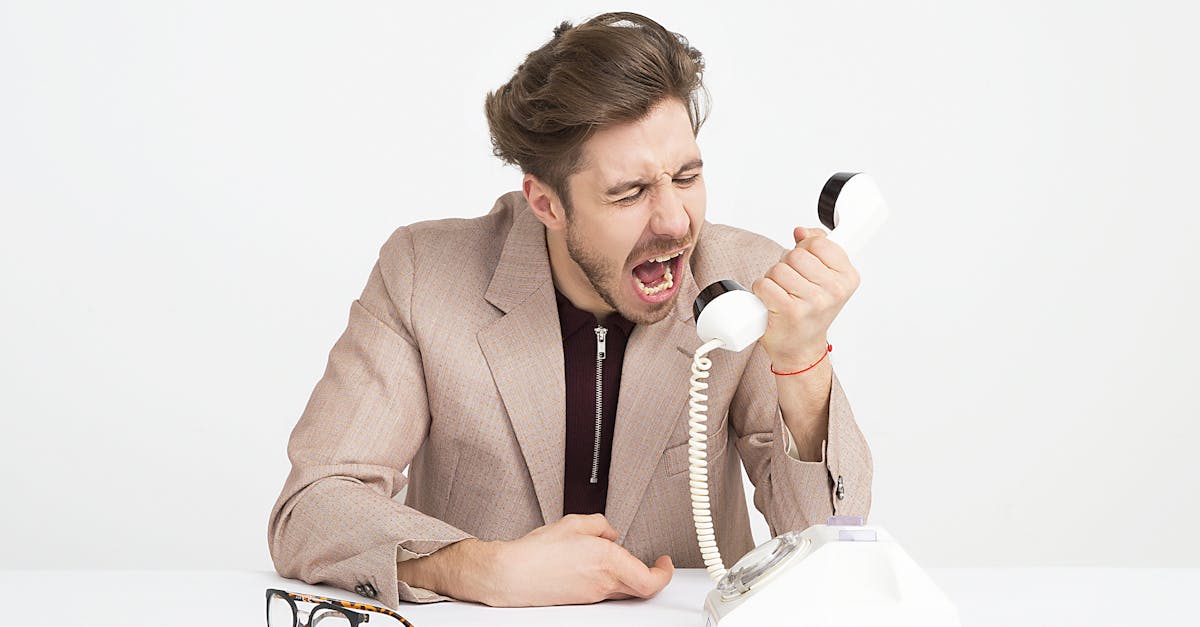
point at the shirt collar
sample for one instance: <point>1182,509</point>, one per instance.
<point>572,318</point>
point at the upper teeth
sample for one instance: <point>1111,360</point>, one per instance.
<point>666,257</point>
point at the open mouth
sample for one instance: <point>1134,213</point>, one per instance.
<point>654,279</point>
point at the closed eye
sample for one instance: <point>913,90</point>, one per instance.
<point>629,200</point>
<point>682,182</point>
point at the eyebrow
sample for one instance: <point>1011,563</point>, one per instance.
<point>625,186</point>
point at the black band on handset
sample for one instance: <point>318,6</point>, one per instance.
<point>829,195</point>
<point>712,291</point>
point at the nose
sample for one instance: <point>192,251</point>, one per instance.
<point>670,219</point>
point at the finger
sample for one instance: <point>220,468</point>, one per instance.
<point>662,570</point>
<point>644,582</point>
<point>793,282</point>
<point>609,533</point>
<point>664,562</point>
<point>831,254</point>
<point>808,266</point>
<point>771,294</point>
<point>801,233</point>
<point>592,525</point>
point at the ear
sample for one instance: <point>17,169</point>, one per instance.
<point>544,203</point>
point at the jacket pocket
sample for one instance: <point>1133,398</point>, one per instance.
<point>675,458</point>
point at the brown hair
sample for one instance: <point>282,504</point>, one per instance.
<point>611,69</point>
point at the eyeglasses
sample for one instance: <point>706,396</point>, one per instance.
<point>283,612</point>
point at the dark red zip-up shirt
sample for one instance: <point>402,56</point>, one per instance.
<point>585,484</point>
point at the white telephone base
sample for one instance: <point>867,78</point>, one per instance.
<point>836,575</point>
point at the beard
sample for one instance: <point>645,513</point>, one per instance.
<point>607,276</point>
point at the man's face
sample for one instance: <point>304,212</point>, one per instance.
<point>638,199</point>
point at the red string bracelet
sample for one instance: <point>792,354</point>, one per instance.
<point>828,349</point>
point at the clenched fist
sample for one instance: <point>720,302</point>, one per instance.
<point>804,293</point>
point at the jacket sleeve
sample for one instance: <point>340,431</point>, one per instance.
<point>794,494</point>
<point>335,521</point>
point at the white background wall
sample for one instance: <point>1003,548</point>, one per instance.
<point>193,193</point>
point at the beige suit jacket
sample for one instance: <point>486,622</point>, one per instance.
<point>452,365</point>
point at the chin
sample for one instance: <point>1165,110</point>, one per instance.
<point>640,314</point>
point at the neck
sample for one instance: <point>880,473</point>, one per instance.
<point>570,280</point>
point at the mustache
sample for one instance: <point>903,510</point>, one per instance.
<point>658,248</point>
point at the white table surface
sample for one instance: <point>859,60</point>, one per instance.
<point>1027,597</point>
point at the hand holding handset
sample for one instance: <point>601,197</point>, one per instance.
<point>850,206</point>
<point>843,573</point>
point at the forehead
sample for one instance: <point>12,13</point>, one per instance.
<point>659,142</point>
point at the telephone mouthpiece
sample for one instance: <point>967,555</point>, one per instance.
<point>728,312</point>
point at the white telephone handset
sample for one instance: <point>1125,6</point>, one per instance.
<point>842,573</point>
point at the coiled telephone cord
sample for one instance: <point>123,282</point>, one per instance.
<point>698,462</point>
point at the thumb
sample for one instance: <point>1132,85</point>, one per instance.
<point>801,233</point>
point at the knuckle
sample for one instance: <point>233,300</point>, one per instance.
<point>763,290</point>
<point>808,259</point>
<point>849,284</point>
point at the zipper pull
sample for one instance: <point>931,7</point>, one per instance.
<point>601,348</point>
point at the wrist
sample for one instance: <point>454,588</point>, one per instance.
<point>470,574</point>
<point>801,359</point>
<point>807,435</point>
<point>459,570</point>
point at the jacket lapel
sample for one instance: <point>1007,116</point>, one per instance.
<point>524,352</point>
<point>654,392</point>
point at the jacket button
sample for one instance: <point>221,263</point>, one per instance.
<point>369,591</point>
<point>359,589</point>
<point>841,489</point>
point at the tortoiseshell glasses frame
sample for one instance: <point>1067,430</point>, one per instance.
<point>323,606</point>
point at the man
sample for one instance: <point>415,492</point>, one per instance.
<point>530,367</point>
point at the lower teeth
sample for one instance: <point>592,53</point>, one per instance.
<point>667,283</point>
